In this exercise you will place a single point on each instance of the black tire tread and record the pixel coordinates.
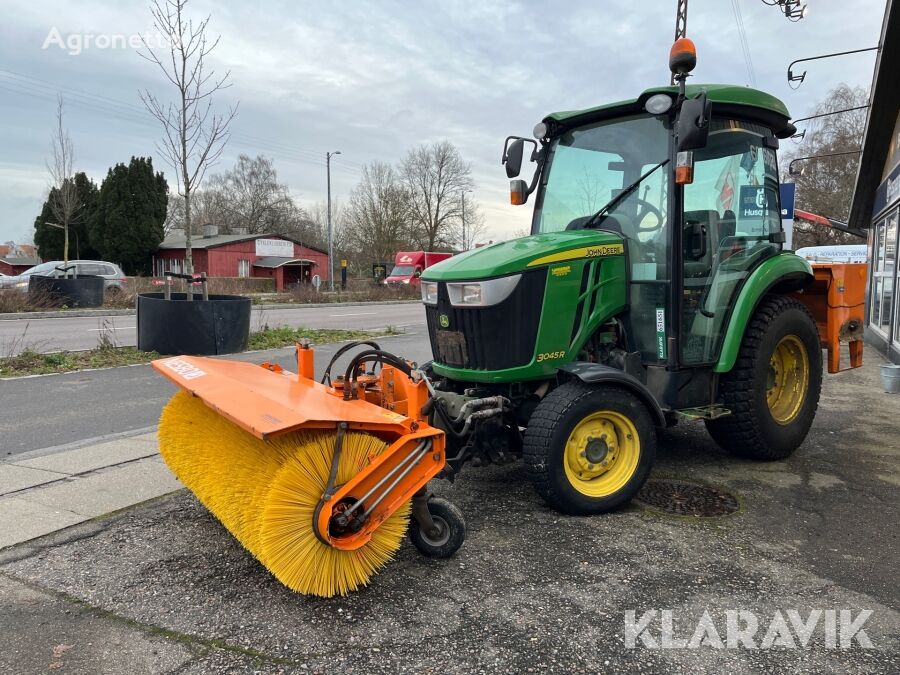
(452, 515)
(740, 432)
(546, 418)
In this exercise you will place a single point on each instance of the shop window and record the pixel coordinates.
(243, 268)
(884, 263)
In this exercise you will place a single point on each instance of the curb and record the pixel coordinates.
(81, 313)
(15, 316)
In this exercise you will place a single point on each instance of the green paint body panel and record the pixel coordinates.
(717, 93)
(770, 272)
(514, 256)
(558, 341)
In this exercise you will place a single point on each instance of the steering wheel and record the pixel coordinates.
(645, 209)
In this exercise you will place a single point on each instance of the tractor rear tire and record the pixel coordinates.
(589, 449)
(773, 389)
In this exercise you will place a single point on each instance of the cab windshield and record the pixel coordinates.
(590, 165)
(402, 271)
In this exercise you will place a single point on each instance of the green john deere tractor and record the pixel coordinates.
(653, 287)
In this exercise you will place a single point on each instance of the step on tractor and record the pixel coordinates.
(654, 286)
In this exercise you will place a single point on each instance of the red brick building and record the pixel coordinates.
(271, 256)
(14, 265)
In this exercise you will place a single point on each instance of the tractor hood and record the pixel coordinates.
(517, 255)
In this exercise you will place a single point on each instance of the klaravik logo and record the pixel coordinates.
(743, 629)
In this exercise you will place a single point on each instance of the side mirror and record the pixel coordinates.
(417, 273)
(692, 129)
(513, 157)
(514, 152)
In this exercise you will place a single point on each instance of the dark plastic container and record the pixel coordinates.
(76, 291)
(220, 325)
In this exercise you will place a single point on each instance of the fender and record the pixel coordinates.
(784, 272)
(594, 373)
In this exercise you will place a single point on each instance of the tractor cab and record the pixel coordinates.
(687, 177)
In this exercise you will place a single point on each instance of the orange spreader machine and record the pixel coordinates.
(836, 298)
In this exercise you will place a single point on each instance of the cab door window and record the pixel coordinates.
(730, 211)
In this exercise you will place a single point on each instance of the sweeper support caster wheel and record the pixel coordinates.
(437, 528)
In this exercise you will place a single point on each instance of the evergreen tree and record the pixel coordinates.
(127, 226)
(49, 239)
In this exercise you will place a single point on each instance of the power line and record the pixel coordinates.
(742, 34)
(31, 86)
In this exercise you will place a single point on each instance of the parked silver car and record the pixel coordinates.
(114, 278)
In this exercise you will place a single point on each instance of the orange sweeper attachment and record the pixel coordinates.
(318, 480)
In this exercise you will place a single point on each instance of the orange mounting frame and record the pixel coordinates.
(421, 471)
(836, 298)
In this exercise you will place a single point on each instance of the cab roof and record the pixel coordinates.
(725, 98)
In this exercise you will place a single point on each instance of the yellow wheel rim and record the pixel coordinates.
(602, 453)
(788, 379)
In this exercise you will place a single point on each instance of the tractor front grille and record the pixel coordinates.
(488, 338)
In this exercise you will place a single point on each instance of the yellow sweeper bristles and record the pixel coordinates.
(265, 493)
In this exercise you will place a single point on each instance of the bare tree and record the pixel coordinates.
(589, 185)
(193, 135)
(436, 178)
(63, 197)
(826, 185)
(376, 221)
(252, 198)
(470, 227)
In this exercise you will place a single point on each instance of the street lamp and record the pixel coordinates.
(328, 156)
(799, 172)
(802, 76)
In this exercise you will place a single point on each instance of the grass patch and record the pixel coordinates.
(285, 336)
(30, 362)
(109, 355)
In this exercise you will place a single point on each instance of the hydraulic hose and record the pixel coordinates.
(371, 355)
(340, 352)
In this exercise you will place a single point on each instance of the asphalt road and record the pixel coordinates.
(75, 333)
(53, 410)
(163, 588)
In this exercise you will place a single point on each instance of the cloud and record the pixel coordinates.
(374, 79)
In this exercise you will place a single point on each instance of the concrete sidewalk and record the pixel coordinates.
(46, 490)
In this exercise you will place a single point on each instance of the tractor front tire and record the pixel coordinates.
(589, 449)
(773, 389)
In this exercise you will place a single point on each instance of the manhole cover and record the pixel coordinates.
(686, 499)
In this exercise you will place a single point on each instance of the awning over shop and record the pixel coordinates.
(272, 262)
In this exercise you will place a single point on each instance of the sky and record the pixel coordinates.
(374, 79)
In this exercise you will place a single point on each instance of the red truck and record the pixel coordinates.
(408, 266)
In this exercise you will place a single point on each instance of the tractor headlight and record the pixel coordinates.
(482, 293)
(429, 292)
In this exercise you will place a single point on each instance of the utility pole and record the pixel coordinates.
(328, 156)
(464, 247)
(680, 25)
(465, 242)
